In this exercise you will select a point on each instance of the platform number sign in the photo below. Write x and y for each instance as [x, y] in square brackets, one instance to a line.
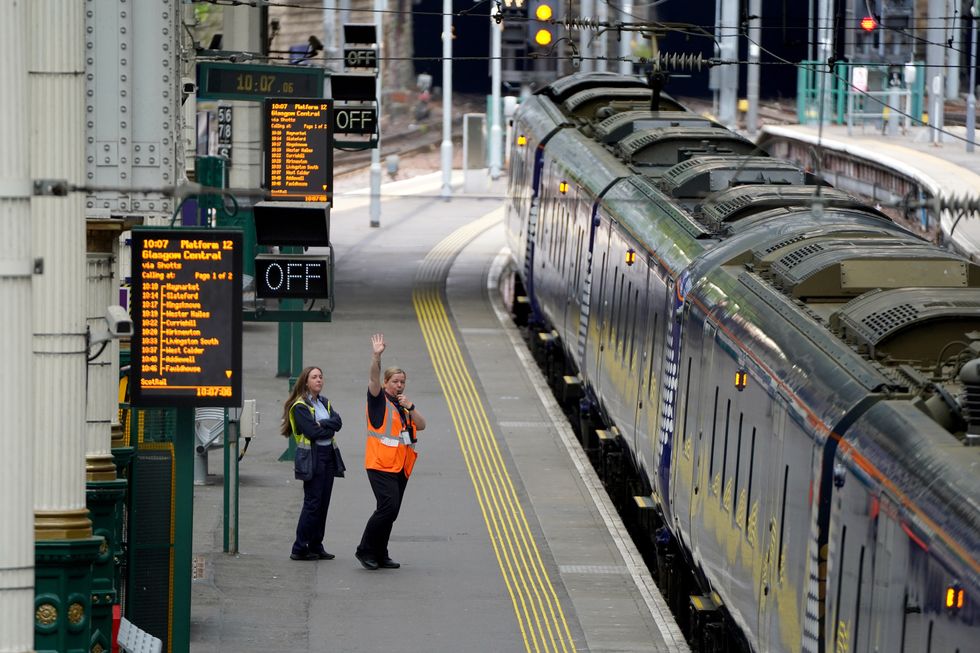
[224, 131]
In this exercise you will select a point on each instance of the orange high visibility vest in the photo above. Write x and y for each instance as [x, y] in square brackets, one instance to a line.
[385, 450]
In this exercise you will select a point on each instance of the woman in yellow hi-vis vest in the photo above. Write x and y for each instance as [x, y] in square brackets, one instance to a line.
[312, 422]
[392, 424]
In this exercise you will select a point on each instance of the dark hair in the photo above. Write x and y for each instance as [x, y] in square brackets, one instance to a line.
[299, 389]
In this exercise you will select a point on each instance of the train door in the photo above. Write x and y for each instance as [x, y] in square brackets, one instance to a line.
[634, 343]
[600, 313]
[648, 403]
[573, 264]
[889, 571]
[697, 419]
[775, 481]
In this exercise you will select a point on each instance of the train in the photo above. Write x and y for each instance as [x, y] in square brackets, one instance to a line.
[791, 377]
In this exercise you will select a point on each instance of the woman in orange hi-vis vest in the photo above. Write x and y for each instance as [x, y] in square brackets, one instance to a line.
[392, 424]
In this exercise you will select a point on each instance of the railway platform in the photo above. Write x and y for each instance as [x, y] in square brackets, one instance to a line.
[506, 539]
[913, 169]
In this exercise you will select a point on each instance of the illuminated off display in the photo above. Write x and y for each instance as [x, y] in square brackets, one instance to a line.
[298, 277]
[187, 318]
[298, 148]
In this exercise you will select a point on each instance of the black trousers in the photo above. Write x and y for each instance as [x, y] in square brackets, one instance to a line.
[316, 501]
[389, 488]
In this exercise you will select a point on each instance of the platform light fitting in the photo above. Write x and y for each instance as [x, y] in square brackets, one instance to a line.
[630, 256]
[521, 140]
[563, 186]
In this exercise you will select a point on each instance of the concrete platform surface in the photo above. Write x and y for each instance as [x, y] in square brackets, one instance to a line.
[506, 538]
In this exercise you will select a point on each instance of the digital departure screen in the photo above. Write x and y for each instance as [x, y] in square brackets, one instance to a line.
[298, 148]
[187, 318]
[237, 81]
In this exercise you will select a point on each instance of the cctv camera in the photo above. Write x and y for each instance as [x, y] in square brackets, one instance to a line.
[118, 322]
[187, 85]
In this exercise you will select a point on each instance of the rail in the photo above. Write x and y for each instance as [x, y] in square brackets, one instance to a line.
[889, 101]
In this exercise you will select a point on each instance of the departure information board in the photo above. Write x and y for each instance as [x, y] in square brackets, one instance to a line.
[187, 318]
[298, 147]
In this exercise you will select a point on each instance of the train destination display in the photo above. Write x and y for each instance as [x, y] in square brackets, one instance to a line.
[298, 148]
[187, 317]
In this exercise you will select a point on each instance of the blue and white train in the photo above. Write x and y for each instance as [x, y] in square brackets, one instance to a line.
[795, 377]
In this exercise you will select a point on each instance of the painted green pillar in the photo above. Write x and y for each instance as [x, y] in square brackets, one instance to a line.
[105, 503]
[62, 594]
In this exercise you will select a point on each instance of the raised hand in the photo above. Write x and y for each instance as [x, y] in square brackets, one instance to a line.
[377, 343]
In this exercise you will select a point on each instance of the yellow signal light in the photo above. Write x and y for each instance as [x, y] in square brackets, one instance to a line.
[542, 37]
[563, 186]
[950, 597]
[543, 12]
[522, 140]
[960, 599]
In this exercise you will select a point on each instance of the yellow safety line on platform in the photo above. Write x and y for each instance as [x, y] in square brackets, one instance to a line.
[536, 605]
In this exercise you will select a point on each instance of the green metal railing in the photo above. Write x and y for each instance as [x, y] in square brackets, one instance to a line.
[808, 88]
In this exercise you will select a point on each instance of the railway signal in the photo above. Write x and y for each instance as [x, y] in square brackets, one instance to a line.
[542, 30]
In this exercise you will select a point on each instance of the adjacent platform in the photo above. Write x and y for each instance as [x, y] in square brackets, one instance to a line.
[894, 170]
[506, 538]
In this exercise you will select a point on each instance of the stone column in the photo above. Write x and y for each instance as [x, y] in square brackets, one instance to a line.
[65, 547]
[104, 492]
[16, 461]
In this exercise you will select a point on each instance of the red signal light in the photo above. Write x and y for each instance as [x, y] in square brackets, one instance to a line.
[868, 24]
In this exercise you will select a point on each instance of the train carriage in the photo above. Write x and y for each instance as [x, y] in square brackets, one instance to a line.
[788, 370]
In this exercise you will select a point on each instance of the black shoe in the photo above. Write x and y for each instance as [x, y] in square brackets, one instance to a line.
[323, 555]
[304, 556]
[366, 561]
[388, 563]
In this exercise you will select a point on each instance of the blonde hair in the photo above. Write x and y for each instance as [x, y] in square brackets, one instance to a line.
[392, 371]
[299, 390]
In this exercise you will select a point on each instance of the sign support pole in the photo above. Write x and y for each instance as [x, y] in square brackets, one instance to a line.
[495, 118]
[183, 526]
[379, 7]
[446, 149]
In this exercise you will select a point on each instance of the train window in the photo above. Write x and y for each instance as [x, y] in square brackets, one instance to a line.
[724, 453]
[612, 300]
[840, 581]
[602, 293]
[782, 521]
[748, 492]
[564, 241]
[653, 352]
[714, 432]
[857, 602]
[738, 464]
[567, 241]
[624, 328]
[636, 311]
[687, 399]
[619, 312]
